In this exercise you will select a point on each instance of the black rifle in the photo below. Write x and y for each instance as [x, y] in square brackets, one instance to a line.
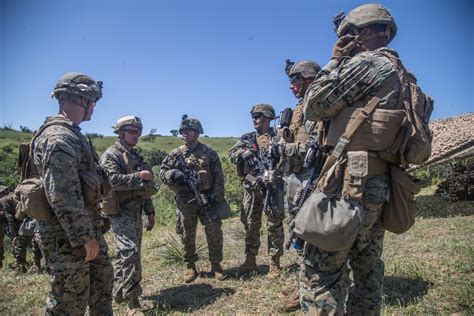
[261, 165]
[191, 179]
[314, 159]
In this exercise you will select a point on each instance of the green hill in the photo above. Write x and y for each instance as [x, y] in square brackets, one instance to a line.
[11, 139]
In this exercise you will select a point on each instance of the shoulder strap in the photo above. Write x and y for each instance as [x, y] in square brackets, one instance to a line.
[30, 169]
[350, 130]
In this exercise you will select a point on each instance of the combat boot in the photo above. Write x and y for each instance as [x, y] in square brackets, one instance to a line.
[1, 264]
[249, 265]
[191, 273]
[274, 266]
[291, 300]
[38, 266]
[134, 307]
[217, 272]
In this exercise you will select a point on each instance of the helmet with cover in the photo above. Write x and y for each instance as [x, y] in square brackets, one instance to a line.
[190, 123]
[129, 120]
[266, 109]
[365, 15]
[304, 68]
[78, 84]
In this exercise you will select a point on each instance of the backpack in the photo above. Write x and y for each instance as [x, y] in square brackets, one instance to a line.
[31, 192]
[413, 145]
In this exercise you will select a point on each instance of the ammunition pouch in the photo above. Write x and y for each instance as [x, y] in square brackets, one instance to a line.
[377, 133]
[94, 187]
[203, 177]
[110, 204]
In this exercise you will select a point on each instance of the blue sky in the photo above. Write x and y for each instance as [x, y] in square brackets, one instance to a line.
[210, 59]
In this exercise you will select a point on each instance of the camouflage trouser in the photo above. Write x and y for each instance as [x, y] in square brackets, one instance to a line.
[127, 231]
[251, 217]
[186, 223]
[322, 281]
[3, 224]
[21, 245]
[73, 283]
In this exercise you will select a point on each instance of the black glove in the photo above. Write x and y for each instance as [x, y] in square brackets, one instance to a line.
[177, 177]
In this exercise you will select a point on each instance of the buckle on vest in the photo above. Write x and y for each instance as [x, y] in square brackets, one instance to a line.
[340, 146]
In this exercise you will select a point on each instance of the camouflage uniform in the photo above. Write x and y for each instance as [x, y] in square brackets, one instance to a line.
[296, 137]
[350, 82]
[205, 159]
[8, 220]
[61, 154]
[251, 215]
[122, 165]
[26, 237]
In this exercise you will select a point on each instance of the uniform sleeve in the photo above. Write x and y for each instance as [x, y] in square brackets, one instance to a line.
[148, 207]
[167, 169]
[344, 84]
[118, 179]
[63, 190]
[10, 209]
[217, 189]
[235, 153]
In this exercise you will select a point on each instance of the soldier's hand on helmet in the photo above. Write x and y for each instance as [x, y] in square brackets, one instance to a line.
[344, 46]
[150, 222]
[146, 175]
[177, 177]
[92, 249]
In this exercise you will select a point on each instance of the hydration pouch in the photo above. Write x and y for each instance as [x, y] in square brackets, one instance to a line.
[329, 221]
[32, 199]
[399, 213]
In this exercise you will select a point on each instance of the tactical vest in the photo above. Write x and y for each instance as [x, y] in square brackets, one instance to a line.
[132, 162]
[297, 126]
[199, 160]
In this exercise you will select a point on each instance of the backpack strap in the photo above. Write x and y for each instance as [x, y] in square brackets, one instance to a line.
[29, 168]
[350, 130]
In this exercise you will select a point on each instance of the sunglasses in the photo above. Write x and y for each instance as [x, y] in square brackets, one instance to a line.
[296, 79]
[133, 131]
[256, 116]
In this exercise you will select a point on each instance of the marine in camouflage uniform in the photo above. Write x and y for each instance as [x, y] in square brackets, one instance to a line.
[71, 239]
[26, 237]
[358, 70]
[295, 141]
[130, 180]
[206, 163]
[297, 136]
[251, 147]
[3, 219]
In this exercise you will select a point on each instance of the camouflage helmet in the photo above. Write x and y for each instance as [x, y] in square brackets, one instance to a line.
[365, 15]
[266, 109]
[129, 120]
[190, 123]
[78, 84]
[304, 68]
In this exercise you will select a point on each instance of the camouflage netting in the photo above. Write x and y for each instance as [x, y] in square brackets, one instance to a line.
[453, 138]
[459, 184]
[453, 141]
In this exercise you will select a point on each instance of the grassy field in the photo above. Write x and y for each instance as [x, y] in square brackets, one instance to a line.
[429, 270]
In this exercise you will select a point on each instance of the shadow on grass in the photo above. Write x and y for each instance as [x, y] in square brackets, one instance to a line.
[436, 207]
[401, 292]
[188, 298]
[235, 274]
